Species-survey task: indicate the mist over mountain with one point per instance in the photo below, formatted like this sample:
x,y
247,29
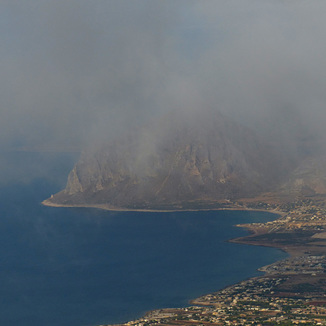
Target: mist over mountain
x,y
180,160
103,76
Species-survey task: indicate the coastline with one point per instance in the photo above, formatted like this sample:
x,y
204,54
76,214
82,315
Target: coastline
x,y
252,232
198,302
297,281
106,207
239,240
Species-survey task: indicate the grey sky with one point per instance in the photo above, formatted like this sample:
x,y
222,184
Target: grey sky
x,y
76,71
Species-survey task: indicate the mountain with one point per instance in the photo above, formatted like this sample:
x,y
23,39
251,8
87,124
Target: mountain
x,y
176,162
307,179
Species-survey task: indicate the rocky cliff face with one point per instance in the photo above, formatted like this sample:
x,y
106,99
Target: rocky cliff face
x,y
176,161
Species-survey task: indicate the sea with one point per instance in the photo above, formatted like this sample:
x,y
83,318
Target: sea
x,y
86,267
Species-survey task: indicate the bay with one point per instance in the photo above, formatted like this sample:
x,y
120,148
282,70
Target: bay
x,y
76,267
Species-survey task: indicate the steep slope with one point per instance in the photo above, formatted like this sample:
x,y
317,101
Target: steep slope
x,y
177,161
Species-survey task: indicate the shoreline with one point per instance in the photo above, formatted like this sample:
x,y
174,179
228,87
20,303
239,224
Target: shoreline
x,y
252,232
292,231
283,290
197,301
105,207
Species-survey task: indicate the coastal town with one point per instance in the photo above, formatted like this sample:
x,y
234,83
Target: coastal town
x,y
291,291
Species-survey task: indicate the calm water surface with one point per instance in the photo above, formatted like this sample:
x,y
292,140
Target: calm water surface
x,y
86,267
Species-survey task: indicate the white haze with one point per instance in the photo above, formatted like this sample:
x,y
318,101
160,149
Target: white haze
x,y
77,72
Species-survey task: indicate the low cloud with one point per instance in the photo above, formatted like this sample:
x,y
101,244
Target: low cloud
x,y
77,72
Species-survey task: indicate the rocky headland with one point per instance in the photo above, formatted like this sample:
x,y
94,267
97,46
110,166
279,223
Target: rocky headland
x,y
180,162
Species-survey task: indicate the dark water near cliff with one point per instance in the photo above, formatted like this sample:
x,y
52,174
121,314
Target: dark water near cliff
x,y
87,267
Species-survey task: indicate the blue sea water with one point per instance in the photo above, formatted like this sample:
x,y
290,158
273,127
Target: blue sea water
x,y
78,267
